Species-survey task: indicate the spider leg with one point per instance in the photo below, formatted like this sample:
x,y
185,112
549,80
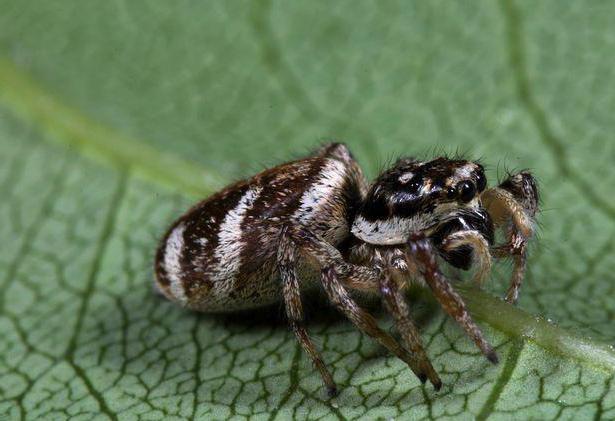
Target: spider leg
x,y
336,274
512,205
421,250
481,253
287,258
519,267
503,207
397,306
518,250
340,297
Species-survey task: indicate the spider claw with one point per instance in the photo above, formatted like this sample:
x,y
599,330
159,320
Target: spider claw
x,y
492,356
332,391
434,379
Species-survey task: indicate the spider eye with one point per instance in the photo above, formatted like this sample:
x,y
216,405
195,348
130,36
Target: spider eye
x,y
466,191
481,181
451,192
414,186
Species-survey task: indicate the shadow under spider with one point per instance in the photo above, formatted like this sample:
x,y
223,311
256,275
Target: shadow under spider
x,y
319,312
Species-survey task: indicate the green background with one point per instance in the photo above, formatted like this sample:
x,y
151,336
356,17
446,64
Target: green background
x,y
174,99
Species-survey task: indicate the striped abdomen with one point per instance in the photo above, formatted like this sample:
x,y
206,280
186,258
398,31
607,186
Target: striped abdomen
x,y
220,255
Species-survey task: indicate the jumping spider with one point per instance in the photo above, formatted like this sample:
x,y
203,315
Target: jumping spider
x,y
316,220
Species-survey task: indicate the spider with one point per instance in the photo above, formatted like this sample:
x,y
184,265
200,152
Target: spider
x,y
317,221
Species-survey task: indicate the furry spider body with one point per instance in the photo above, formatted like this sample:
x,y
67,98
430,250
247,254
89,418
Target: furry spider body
x,y
317,221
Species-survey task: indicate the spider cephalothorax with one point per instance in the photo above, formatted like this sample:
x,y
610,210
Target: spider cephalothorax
x,y
245,246
437,198
415,196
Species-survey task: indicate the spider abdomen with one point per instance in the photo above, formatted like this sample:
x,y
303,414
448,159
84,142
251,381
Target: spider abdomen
x,y
221,254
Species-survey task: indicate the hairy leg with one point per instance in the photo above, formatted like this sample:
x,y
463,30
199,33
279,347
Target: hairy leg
x,y
396,304
516,249
512,206
341,299
519,265
336,275
323,254
287,259
423,253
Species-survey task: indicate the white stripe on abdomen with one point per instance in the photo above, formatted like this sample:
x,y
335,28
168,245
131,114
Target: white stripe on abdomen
x,y
172,262
228,252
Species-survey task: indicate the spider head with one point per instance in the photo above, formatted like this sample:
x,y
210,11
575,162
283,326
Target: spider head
x,y
414,196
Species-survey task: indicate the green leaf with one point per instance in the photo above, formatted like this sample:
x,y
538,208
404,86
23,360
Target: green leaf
x,y
116,116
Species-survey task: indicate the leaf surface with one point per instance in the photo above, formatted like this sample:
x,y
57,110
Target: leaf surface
x,y
115,117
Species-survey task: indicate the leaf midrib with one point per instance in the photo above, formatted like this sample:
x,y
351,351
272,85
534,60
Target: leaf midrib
x,y
30,102
25,98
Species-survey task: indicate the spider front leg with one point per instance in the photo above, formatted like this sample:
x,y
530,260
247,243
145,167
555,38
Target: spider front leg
x,y
421,250
512,206
396,304
335,274
394,300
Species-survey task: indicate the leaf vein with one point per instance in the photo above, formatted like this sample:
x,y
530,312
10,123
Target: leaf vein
x,y
103,242
504,378
538,115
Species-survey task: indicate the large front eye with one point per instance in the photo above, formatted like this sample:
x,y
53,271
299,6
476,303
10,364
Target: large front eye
x,y
466,191
451,192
